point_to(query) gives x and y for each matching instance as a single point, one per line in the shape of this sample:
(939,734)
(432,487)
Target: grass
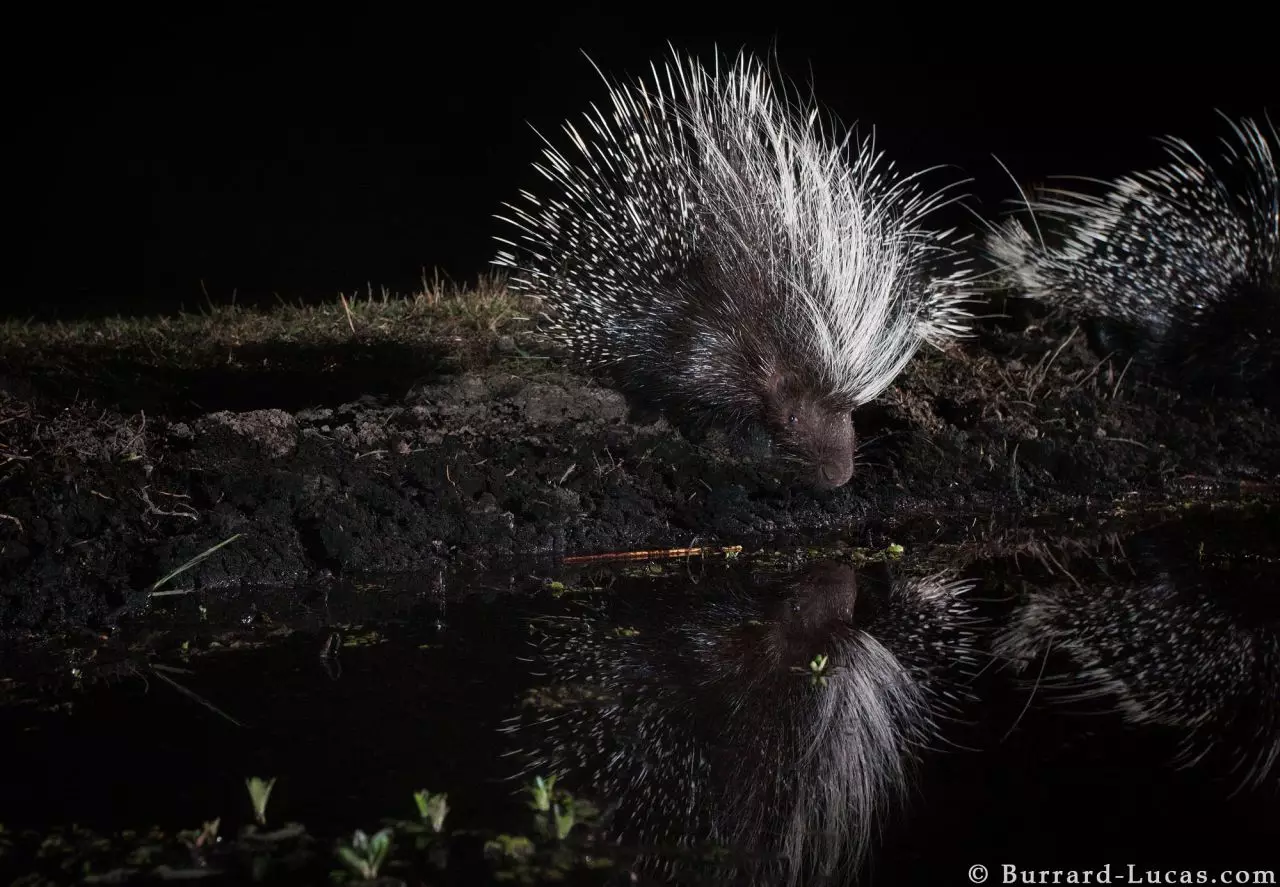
(441,311)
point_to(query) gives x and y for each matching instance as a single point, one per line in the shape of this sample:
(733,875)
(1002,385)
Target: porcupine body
(702,719)
(713,247)
(1176,267)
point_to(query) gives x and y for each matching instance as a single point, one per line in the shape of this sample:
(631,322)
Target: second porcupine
(713,246)
(1177,267)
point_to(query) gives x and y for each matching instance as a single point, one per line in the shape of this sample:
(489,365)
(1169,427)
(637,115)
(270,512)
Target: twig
(650,555)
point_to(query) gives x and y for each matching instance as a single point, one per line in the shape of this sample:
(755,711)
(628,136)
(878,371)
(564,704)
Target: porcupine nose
(834,474)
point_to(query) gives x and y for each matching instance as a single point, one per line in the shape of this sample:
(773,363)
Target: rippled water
(1055,706)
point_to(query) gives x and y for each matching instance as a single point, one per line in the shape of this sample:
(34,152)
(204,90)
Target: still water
(1107,710)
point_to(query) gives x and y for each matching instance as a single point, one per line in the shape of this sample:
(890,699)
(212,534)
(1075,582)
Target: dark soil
(380,445)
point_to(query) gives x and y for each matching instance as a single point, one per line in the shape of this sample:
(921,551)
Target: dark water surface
(1055,707)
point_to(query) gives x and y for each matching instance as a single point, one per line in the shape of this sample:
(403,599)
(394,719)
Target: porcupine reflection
(1168,639)
(702,719)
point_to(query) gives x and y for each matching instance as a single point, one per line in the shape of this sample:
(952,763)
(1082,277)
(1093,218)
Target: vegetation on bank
(559,838)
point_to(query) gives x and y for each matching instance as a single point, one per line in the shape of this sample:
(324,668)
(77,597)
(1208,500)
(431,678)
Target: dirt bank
(390,435)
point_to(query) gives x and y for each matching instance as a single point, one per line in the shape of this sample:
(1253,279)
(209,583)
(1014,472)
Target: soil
(443,447)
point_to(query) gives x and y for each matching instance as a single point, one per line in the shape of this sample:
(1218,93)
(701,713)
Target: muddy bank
(410,435)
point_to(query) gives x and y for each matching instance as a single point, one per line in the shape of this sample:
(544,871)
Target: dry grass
(439,311)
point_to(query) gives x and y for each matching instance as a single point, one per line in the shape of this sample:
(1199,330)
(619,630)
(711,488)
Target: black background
(161,157)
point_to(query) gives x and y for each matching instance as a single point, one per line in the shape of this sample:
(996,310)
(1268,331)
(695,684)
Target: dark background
(302,154)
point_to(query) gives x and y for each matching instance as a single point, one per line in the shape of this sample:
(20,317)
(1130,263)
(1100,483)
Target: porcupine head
(795,344)
(818,428)
(752,358)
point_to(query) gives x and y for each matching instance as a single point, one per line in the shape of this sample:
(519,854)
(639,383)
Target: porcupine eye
(791,420)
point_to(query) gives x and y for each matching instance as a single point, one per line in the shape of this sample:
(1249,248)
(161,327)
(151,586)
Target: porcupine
(1176,267)
(1173,641)
(700,718)
(715,250)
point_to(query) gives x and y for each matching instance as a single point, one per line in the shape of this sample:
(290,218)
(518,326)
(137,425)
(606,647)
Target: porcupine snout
(818,432)
(831,443)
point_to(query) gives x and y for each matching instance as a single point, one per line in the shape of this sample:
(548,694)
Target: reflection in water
(705,717)
(1168,637)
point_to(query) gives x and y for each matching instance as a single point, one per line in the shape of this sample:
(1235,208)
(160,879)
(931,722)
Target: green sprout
(432,808)
(365,854)
(894,550)
(818,669)
(559,808)
(542,790)
(259,794)
(564,818)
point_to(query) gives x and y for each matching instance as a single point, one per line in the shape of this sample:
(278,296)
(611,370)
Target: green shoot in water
(366,854)
(432,808)
(259,794)
(542,791)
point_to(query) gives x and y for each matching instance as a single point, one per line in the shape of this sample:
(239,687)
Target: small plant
(560,811)
(564,818)
(432,808)
(366,854)
(818,669)
(259,794)
(542,791)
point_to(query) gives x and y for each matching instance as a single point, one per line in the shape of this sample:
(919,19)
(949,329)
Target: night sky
(304,155)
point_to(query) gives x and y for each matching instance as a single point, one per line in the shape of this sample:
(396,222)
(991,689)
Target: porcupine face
(811,427)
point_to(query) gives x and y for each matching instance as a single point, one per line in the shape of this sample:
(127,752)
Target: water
(1130,713)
